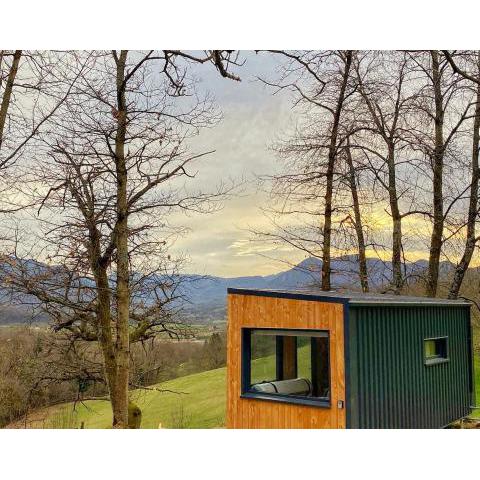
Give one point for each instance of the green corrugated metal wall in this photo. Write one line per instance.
(388, 384)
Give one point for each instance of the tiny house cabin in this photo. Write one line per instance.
(324, 360)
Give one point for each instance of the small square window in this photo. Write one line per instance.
(436, 350)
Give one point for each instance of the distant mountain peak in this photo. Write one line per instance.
(310, 263)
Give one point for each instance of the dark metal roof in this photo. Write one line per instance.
(352, 298)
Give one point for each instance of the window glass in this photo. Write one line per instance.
(288, 363)
(304, 355)
(430, 348)
(435, 350)
(263, 367)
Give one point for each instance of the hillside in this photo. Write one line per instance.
(202, 405)
(199, 402)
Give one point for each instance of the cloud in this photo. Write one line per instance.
(219, 243)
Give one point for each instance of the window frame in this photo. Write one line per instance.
(245, 352)
(438, 359)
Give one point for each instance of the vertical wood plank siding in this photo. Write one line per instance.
(250, 311)
(390, 385)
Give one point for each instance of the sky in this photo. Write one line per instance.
(220, 243)
(253, 117)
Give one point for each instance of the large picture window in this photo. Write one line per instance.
(286, 365)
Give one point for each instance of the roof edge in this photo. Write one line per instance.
(357, 301)
(289, 295)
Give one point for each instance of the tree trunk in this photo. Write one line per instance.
(7, 94)
(104, 334)
(397, 277)
(103, 310)
(438, 153)
(332, 153)
(122, 347)
(362, 258)
(470, 240)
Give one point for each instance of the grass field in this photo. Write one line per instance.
(476, 413)
(201, 405)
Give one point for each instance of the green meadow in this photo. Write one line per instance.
(198, 402)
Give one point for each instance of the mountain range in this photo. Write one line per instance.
(209, 293)
(206, 294)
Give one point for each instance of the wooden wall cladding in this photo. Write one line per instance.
(251, 311)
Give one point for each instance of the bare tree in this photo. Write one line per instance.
(30, 95)
(357, 221)
(332, 153)
(12, 70)
(383, 82)
(438, 154)
(8, 74)
(473, 206)
(108, 177)
(321, 84)
(405, 120)
(443, 106)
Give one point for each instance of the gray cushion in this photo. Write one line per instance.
(293, 386)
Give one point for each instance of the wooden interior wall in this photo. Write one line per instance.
(252, 311)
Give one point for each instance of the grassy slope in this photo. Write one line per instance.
(476, 413)
(202, 406)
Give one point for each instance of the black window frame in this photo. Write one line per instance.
(443, 357)
(322, 402)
